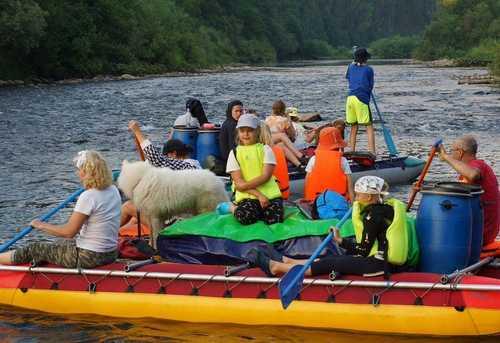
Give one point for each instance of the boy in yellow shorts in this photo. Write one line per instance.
(360, 77)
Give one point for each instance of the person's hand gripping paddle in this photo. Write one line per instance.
(290, 284)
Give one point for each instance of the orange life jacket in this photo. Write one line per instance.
(326, 174)
(281, 172)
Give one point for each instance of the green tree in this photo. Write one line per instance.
(22, 25)
(463, 30)
(394, 47)
(81, 38)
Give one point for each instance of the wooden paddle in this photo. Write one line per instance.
(291, 283)
(418, 184)
(139, 149)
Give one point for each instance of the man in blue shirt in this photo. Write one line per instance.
(360, 77)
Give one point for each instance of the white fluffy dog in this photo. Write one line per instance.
(161, 193)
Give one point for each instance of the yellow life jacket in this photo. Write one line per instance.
(398, 235)
(251, 161)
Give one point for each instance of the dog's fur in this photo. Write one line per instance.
(161, 193)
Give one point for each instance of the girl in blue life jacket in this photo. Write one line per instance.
(251, 165)
(381, 244)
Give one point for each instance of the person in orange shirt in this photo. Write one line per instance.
(328, 169)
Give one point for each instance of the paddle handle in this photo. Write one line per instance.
(393, 151)
(319, 250)
(43, 218)
(139, 149)
(418, 184)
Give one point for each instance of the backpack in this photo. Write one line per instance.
(134, 248)
(329, 205)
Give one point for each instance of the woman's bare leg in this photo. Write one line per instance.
(129, 215)
(283, 138)
(129, 211)
(289, 155)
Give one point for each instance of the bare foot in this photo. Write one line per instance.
(273, 267)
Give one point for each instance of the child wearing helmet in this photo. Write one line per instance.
(382, 238)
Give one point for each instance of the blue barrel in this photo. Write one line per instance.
(186, 135)
(208, 144)
(444, 229)
(477, 217)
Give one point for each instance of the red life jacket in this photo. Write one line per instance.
(327, 173)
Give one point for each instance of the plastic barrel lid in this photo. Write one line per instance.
(458, 186)
(448, 188)
(185, 128)
(215, 129)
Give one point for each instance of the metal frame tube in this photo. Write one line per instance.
(253, 279)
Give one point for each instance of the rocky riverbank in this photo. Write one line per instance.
(127, 77)
(443, 63)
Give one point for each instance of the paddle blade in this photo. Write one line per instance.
(290, 285)
(389, 142)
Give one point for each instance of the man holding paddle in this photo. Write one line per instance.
(475, 171)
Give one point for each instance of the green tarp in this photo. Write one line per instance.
(226, 226)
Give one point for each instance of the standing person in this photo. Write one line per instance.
(91, 233)
(384, 242)
(361, 81)
(251, 165)
(328, 169)
(227, 135)
(475, 171)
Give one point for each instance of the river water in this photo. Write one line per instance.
(44, 126)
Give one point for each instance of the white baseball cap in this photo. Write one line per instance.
(371, 185)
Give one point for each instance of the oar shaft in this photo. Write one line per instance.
(43, 218)
(393, 151)
(420, 180)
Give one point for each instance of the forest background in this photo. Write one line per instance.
(60, 39)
